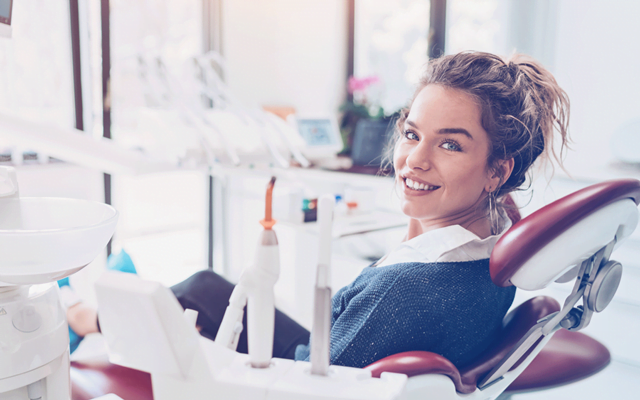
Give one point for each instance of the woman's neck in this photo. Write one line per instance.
(480, 225)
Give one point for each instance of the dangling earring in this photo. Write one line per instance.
(493, 212)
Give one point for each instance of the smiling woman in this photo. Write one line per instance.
(474, 128)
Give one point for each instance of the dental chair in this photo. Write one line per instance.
(539, 346)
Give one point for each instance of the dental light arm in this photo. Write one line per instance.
(255, 289)
(76, 147)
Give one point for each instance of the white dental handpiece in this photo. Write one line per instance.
(261, 306)
(231, 325)
(321, 331)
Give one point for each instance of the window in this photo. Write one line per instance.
(391, 42)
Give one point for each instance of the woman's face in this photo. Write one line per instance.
(441, 159)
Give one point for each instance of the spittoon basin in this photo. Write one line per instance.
(46, 239)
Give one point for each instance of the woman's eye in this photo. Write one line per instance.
(410, 135)
(451, 146)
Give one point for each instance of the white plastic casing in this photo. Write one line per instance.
(46, 239)
(33, 328)
(260, 279)
(582, 240)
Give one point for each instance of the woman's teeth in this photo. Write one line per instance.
(418, 186)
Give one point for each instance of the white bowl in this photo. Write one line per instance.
(46, 239)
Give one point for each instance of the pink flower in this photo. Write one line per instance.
(361, 84)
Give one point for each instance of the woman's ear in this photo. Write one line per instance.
(499, 174)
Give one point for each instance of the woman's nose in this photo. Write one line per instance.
(420, 157)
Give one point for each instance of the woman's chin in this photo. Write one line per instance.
(419, 213)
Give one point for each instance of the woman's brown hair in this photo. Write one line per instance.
(521, 106)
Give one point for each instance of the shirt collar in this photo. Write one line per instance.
(436, 244)
(433, 244)
(450, 243)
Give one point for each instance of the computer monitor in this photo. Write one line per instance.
(5, 18)
(321, 136)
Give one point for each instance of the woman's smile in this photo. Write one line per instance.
(413, 187)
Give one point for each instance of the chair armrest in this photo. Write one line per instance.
(412, 363)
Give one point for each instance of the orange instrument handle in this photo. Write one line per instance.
(268, 222)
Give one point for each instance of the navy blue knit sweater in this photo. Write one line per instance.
(449, 308)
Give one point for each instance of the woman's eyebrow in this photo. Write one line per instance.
(444, 131)
(455, 130)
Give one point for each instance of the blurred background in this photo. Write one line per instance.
(186, 81)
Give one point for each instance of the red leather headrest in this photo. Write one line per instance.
(537, 230)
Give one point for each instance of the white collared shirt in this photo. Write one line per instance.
(451, 243)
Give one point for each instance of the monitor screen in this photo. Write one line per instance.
(5, 11)
(317, 132)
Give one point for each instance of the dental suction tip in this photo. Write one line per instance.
(268, 222)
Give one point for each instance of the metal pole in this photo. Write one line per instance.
(437, 28)
(74, 20)
(351, 37)
(106, 92)
(212, 40)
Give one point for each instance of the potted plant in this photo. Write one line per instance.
(365, 127)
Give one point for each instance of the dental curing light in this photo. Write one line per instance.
(255, 289)
(42, 240)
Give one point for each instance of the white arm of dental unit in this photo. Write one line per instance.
(321, 335)
(231, 325)
(261, 306)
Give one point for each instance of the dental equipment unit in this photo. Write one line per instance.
(42, 240)
(538, 347)
(156, 338)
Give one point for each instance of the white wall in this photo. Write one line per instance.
(591, 47)
(287, 52)
(597, 62)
